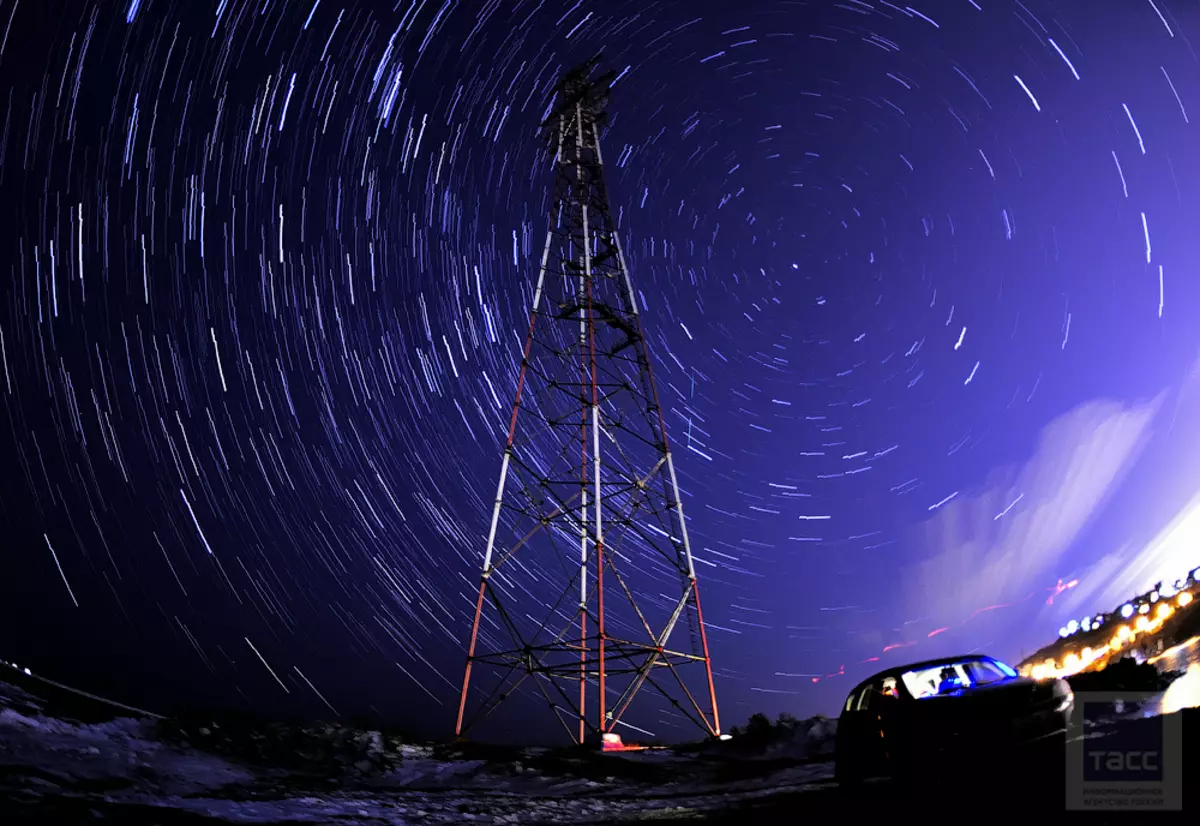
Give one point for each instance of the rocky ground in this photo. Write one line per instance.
(65, 762)
(132, 770)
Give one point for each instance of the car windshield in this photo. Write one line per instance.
(953, 677)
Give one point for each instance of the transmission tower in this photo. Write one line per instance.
(587, 573)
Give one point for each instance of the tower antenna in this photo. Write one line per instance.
(588, 579)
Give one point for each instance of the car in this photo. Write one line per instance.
(919, 720)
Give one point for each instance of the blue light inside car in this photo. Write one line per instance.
(1006, 669)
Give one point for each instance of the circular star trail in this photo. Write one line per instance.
(919, 283)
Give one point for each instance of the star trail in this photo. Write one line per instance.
(919, 284)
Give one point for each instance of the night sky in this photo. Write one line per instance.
(921, 285)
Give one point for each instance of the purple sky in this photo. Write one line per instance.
(919, 283)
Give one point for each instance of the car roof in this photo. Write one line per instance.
(925, 664)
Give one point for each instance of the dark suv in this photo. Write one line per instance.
(927, 718)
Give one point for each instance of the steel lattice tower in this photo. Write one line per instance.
(587, 572)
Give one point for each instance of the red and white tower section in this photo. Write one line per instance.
(588, 599)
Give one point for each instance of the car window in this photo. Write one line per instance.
(854, 698)
(923, 683)
(983, 672)
(933, 681)
(883, 695)
(952, 677)
(864, 698)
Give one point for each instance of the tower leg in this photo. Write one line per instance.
(599, 524)
(462, 700)
(712, 690)
(583, 523)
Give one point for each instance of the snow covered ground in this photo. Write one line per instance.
(142, 771)
(63, 762)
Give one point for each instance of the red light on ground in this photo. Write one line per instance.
(611, 742)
